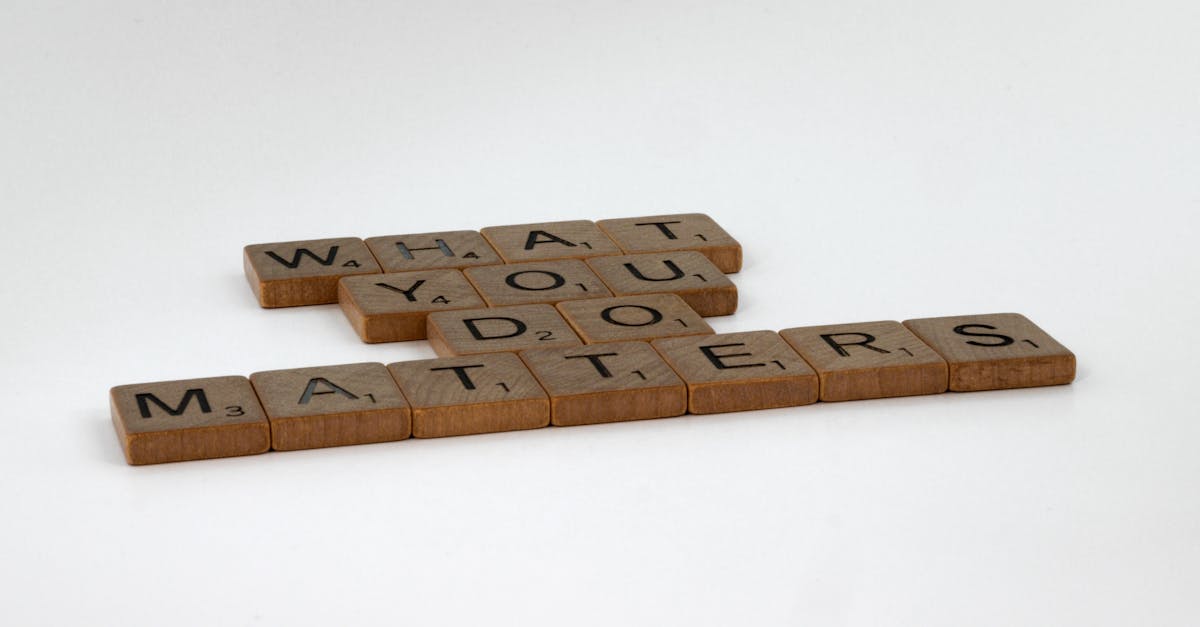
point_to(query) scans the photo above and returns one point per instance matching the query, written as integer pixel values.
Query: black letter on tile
(962, 330)
(662, 227)
(655, 316)
(678, 274)
(461, 371)
(595, 359)
(311, 390)
(716, 359)
(408, 293)
(196, 393)
(518, 328)
(558, 280)
(536, 237)
(300, 252)
(867, 338)
(407, 252)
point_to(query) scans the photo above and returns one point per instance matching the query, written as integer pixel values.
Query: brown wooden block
(573, 239)
(687, 273)
(739, 371)
(332, 406)
(869, 360)
(288, 274)
(468, 395)
(393, 307)
(499, 329)
(607, 383)
(682, 231)
(431, 251)
(625, 318)
(536, 282)
(996, 351)
(173, 421)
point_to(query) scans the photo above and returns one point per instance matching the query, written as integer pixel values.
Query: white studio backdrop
(876, 161)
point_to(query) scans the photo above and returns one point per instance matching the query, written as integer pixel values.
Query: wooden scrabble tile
(685, 273)
(996, 351)
(607, 383)
(393, 307)
(173, 421)
(332, 406)
(536, 282)
(431, 251)
(625, 318)
(683, 231)
(573, 239)
(498, 329)
(739, 371)
(288, 274)
(468, 395)
(868, 360)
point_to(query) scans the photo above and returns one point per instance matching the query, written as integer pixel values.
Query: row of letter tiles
(289, 274)
(393, 307)
(568, 383)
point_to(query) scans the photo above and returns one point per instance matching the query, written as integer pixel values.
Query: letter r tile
(739, 371)
(868, 360)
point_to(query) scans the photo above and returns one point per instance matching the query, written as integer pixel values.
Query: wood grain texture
(627, 318)
(607, 383)
(543, 241)
(546, 282)
(432, 251)
(332, 406)
(392, 307)
(173, 421)
(290, 274)
(498, 329)
(739, 371)
(681, 231)
(996, 351)
(864, 360)
(687, 274)
(470, 395)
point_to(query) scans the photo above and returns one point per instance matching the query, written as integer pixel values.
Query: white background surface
(876, 161)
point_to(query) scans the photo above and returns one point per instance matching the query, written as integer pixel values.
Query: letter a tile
(288, 274)
(739, 371)
(868, 360)
(544, 241)
(684, 231)
(607, 383)
(468, 395)
(332, 406)
(996, 351)
(174, 421)
(498, 329)
(393, 307)
(687, 274)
